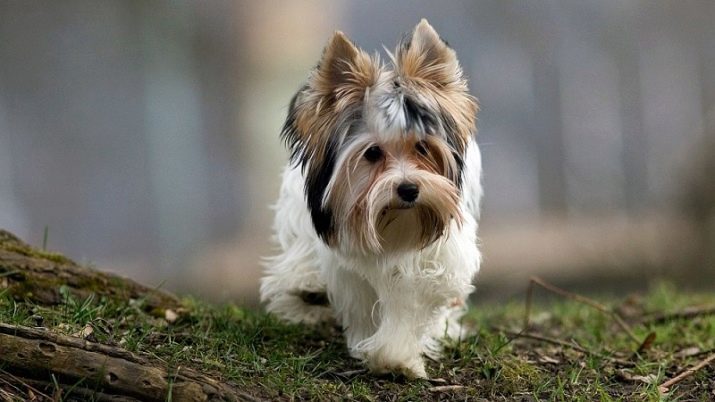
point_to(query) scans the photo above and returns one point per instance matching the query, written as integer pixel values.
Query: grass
(276, 361)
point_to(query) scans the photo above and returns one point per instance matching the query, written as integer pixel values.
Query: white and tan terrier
(379, 204)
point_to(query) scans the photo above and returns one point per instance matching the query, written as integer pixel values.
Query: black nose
(408, 191)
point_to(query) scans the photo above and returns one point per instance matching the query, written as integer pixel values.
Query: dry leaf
(548, 360)
(687, 352)
(627, 375)
(646, 379)
(85, 332)
(647, 343)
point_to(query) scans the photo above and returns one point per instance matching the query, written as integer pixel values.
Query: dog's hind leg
(292, 287)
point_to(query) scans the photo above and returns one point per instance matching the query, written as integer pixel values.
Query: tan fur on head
(352, 102)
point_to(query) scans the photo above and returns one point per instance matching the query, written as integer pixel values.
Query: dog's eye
(373, 154)
(422, 148)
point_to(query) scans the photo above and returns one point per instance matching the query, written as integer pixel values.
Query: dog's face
(381, 148)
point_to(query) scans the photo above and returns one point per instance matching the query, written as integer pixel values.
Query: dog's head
(382, 148)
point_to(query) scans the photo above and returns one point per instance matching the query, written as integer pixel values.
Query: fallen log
(39, 364)
(32, 353)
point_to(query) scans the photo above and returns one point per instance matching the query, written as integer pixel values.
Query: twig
(576, 297)
(8, 273)
(564, 344)
(685, 314)
(664, 387)
(20, 381)
(546, 339)
(66, 392)
(446, 388)
(248, 397)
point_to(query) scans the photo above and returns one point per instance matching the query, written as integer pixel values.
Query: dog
(378, 211)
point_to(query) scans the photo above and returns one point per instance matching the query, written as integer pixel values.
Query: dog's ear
(425, 64)
(425, 56)
(335, 64)
(329, 81)
(320, 117)
(336, 85)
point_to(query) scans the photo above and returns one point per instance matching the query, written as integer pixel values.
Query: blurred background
(144, 135)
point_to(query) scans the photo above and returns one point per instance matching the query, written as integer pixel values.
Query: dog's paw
(411, 368)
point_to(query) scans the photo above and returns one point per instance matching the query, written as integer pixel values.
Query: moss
(158, 312)
(39, 288)
(35, 253)
(96, 284)
(10, 243)
(518, 375)
(31, 277)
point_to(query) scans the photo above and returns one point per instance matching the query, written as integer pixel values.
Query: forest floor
(575, 348)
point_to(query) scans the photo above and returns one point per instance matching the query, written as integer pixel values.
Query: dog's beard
(378, 221)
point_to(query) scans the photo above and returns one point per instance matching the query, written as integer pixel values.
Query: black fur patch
(314, 298)
(418, 117)
(317, 178)
(449, 125)
(460, 168)
(450, 132)
(316, 182)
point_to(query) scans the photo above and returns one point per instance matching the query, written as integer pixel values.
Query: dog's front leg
(354, 302)
(407, 313)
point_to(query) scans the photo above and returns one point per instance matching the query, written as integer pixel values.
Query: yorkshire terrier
(377, 215)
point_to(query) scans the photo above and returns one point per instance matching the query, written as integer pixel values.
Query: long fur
(396, 270)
